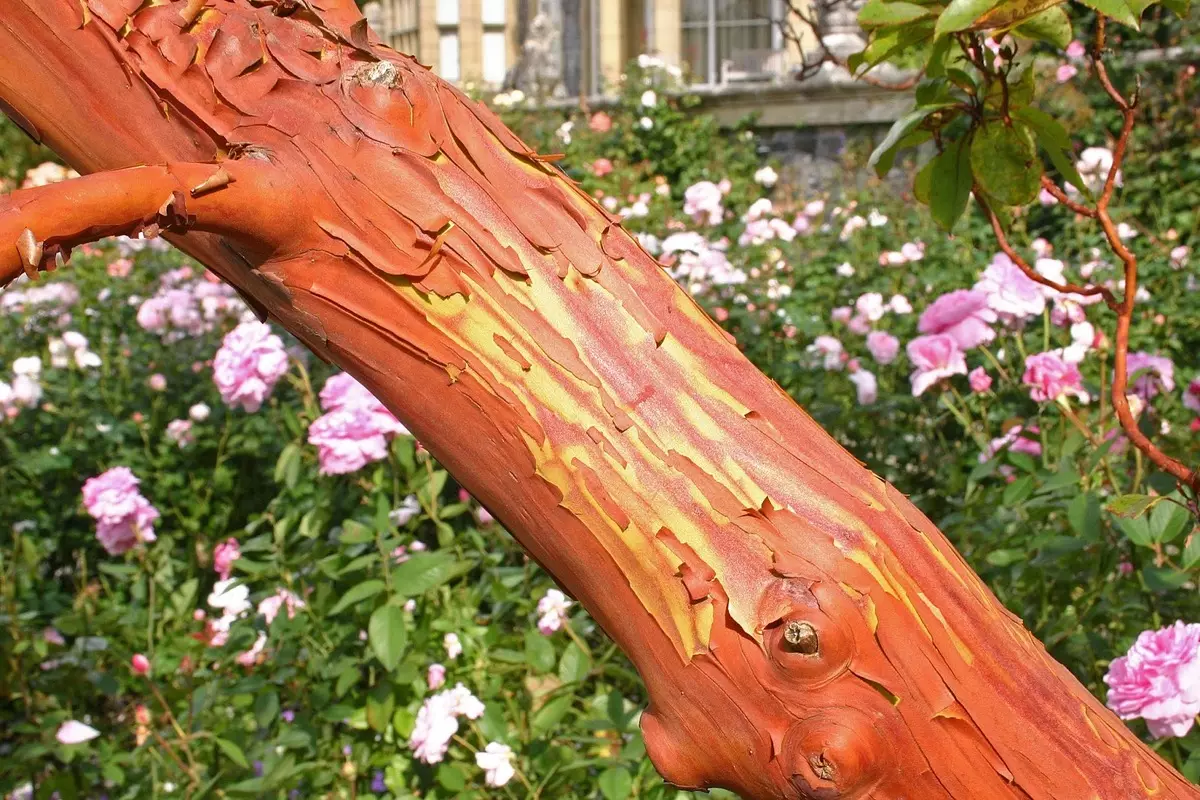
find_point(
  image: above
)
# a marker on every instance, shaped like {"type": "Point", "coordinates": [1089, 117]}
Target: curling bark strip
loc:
{"type": "Point", "coordinates": [803, 631]}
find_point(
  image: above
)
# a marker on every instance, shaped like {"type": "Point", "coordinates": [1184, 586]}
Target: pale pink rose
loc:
{"type": "Point", "coordinates": [120, 268]}
{"type": "Point", "coordinates": [1076, 49]}
{"type": "Point", "coordinates": [251, 360]}
{"type": "Point", "coordinates": [270, 607]}
{"type": "Point", "coordinates": [1065, 72]}
{"type": "Point", "coordinates": [1047, 199]}
{"type": "Point", "coordinates": [964, 315]}
{"type": "Point", "coordinates": [123, 517]}
{"type": "Point", "coordinates": [1158, 680]}
{"type": "Point", "coordinates": [483, 516]}
{"type": "Point", "coordinates": [899, 304]}
{"type": "Point", "coordinates": [1010, 292]}
{"type": "Point", "coordinates": [601, 167]}
{"type": "Point", "coordinates": [140, 664]}
{"type": "Point", "coordinates": [52, 636]}
{"type": "Point", "coordinates": [1191, 395]}
{"type": "Point", "coordinates": [831, 351]}
{"type": "Point", "coordinates": [224, 554]}
{"type": "Point", "coordinates": [979, 380]}
{"type": "Point", "coordinates": [251, 657]}
{"type": "Point", "coordinates": [75, 732]}
{"type": "Point", "coordinates": [859, 324]}
{"type": "Point", "coordinates": [496, 762]}
{"type": "Point", "coordinates": [552, 611]}
{"type": "Point", "coordinates": [179, 431]}
{"type": "Point", "coordinates": [436, 677]}
{"type": "Point", "coordinates": [703, 202]}
{"type": "Point", "coordinates": [936, 356]}
{"type": "Point", "coordinates": [1148, 373]}
{"type": "Point", "coordinates": [842, 314]}
{"type": "Point", "coordinates": [1017, 439]}
{"type": "Point", "coordinates": [866, 385]}
{"type": "Point", "coordinates": [437, 722]}
{"type": "Point", "coordinates": [453, 645]}
{"type": "Point", "coordinates": [1050, 377]}
{"type": "Point", "coordinates": [157, 382]}
{"type": "Point", "coordinates": [871, 306]}
{"type": "Point", "coordinates": [883, 346]}
{"type": "Point", "coordinates": [1179, 256]}
{"type": "Point", "coordinates": [348, 439]}
{"type": "Point", "coordinates": [600, 122]}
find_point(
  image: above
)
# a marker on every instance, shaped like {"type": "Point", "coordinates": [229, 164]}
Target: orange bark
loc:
{"type": "Point", "coordinates": [803, 631]}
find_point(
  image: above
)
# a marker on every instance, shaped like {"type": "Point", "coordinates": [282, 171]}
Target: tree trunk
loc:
{"type": "Point", "coordinates": [803, 631]}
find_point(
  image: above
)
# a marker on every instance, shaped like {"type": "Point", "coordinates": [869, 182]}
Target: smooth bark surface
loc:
{"type": "Point", "coordinates": [803, 630]}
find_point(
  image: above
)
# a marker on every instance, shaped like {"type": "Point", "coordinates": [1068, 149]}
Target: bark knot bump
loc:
{"type": "Point", "coordinates": [801, 637]}
{"type": "Point", "coordinates": [378, 73]}
{"type": "Point", "coordinates": [822, 767]}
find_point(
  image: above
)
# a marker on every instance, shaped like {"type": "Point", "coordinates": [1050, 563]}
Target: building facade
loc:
{"type": "Point", "coordinates": [571, 48]}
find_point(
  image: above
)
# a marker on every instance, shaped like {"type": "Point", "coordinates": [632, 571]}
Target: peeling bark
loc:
{"type": "Point", "coordinates": [803, 631]}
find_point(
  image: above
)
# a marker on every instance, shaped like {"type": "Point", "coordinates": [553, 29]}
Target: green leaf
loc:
{"type": "Point", "coordinates": [923, 183]}
{"type": "Point", "coordinates": [961, 14]}
{"type": "Point", "coordinates": [1005, 163]}
{"type": "Point", "coordinates": [1167, 521]}
{"type": "Point", "coordinates": [1180, 7]}
{"type": "Point", "coordinates": [1131, 506]}
{"type": "Point", "coordinates": [1018, 491]}
{"type": "Point", "coordinates": [1191, 550]}
{"type": "Point", "coordinates": [1002, 558]}
{"type": "Point", "coordinates": [552, 713]}
{"type": "Point", "coordinates": [266, 708]}
{"type": "Point", "coordinates": [901, 128]}
{"type": "Point", "coordinates": [615, 783]}
{"type": "Point", "coordinates": [950, 183]}
{"type": "Point", "coordinates": [1050, 25]}
{"type": "Point", "coordinates": [574, 665]}
{"type": "Point", "coordinates": [539, 651]}
{"type": "Point", "coordinates": [1013, 12]}
{"type": "Point", "coordinates": [388, 635]}
{"type": "Point", "coordinates": [357, 594]}
{"type": "Point", "coordinates": [380, 704]}
{"type": "Point", "coordinates": [876, 13]}
{"type": "Point", "coordinates": [1084, 516]}
{"type": "Point", "coordinates": [1163, 579]}
{"type": "Point", "coordinates": [1116, 9]}
{"type": "Point", "coordinates": [451, 778]}
{"type": "Point", "coordinates": [425, 571]}
{"type": "Point", "coordinates": [1137, 531]}
{"type": "Point", "coordinates": [232, 752]}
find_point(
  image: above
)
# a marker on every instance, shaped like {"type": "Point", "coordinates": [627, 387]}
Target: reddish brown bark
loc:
{"type": "Point", "coordinates": [803, 631]}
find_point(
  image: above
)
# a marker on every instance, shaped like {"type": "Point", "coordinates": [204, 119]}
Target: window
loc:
{"type": "Point", "coordinates": [404, 32]}
{"type": "Point", "coordinates": [493, 12]}
{"type": "Point", "coordinates": [447, 12]}
{"type": "Point", "coordinates": [495, 57]}
{"type": "Point", "coordinates": [741, 33]}
{"type": "Point", "coordinates": [448, 66]}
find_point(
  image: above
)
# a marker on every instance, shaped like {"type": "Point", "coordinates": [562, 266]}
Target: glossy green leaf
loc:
{"type": "Point", "coordinates": [616, 783]}
{"type": "Point", "coordinates": [232, 752]}
{"type": "Point", "coordinates": [950, 184]}
{"type": "Point", "coordinates": [388, 635]}
{"type": "Point", "coordinates": [901, 128]}
{"type": "Point", "coordinates": [1050, 25]}
{"type": "Point", "coordinates": [1168, 520]}
{"type": "Point", "coordinates": [1005, 163]}
{"type": "Point", "coordinates": [539, 651]}
{"type": "Point", "coordinates": [1131, 506]}
{"type": "Point", "coordinates": [357, 594]}
{"type": "Point", "coordinates": [574, 665]}
{"type": "Point", "coordinates": [961, 14]}
{"type": "Point", "coordinates": [1083, 514]}
{"type": "Point", "coordinates": [425, 571]}
{"type": "Point", "coordinates": [1118, 10]}
{"type": "Point", "coordinates": [876, 13]}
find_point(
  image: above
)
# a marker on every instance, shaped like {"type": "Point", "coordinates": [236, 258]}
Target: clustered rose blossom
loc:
{"type": "Point", "coordinates": [26, 388]}
{"type": "Point", "coordinates": [883, 346]}
{"type": "Point", "coordinates": [703, 202]}
{"type": "Point", "coordinates": [1148, 373]}
{"type": "Point", "coordinates": [496, 762]}
{"type": "Point", "coordinates": [1012, 294]}
{"type": "Point", "coordinates": [831, 350]}
{"type": "Point", "coordinates": [437, 722]}
{"type": "Point", "coordinates": [964, 315]}
{"type": "Point", "coordinates": [866, 386]}
{"type": "Point", "coordinates": [270, 606]}
{"type": "Point", "coordinates": [47, 299]}
{"type": "Point", "coordinates": [552, 611]}
{"type": "Point", "coordinates": [123, 517]}
{"type": "Point", "coordinates": [247, 366]}
{"type": "Point", "coordinates": [698, 263]}
{"type": "Point", "coordinates": [355, 429]}
{"type": "Point", "coordinates": [224, 554]}
{"type": "Point", "coordinates": [1158, 680]}
{"type": "Point", "coordinates": [935, 356]}
{"type": "Point", "coordinates": [979, 380]}
{"type": "Point", "coordinates": [1050, 378]}
{"type": "Point", "coordinates": [185, 306]}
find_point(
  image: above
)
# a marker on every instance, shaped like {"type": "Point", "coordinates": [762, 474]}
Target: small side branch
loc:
{"type": "Point", "coordinates": [39, 227]}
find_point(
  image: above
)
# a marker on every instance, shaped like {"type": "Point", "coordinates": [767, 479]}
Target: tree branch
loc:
{"type": "Point", "coordinates": [40, 226]}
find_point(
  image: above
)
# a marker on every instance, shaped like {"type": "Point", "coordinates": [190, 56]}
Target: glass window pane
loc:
{"type": "Point", "coordinates": [747, 10]}
{"type": "Point", "coordinates": [448, 56]}
{"type": "Point", "coordinates": [493, 12]}
{"type": "Point", "coordinates": [447, 12]}
{"type": "Point", "coordinates": [695, 10]}
{"type": "Point", "coordinates": [695, 53]}
{"type": "Point", "coordinates": [747, 46]}
{"type": "Point", "coordinates": [494, 58]}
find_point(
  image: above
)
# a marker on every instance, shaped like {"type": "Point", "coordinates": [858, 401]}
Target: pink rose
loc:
{"type": "Point", "coordinates": [247, 366]}
{"type": "Point", "coordinates": [1191, 395]}
{"type": "Point", "coordinates": [224, 555]}
{"type": "Point", "coordinates": [1050, 377]}
{"type": "Point", "coordinates": [1159, 680]}
{"type": "Point", "coordinates": [1018, 439]}
{"type": "Point", "coordinates": [979, 380]}
{"type": "Point", "coordinates": [842, 314]}
{"type": "Point", "coordinates": [1075, 49]}
{"type": "Point", "coordinates": [601, 167]}
{"type": "Point", "coordinates": [963, 315]}
{"type": "Point", "coordinates": [936, 356]}
{"type": "Point", "coordinates": [120, 268]}
{"type": "Point", "coordinates": [123, 517]}
{"type": "Point", "coordinates": [1011, 293]}
{"type": "Point", "coordinates": [1148, 373]}
{"type": "Point", "coordinates": [140, 664]}
{"type": "Point", "coordinates": [866, 386]}
{"type": "Point", "coordinates": [1065, 72]}
{"type": "Point", "coordinates": [883, 346]}
{"type": "Point", "coordinates": [436, 677]}
{"type": "Point", "coordinates": [600, 122]}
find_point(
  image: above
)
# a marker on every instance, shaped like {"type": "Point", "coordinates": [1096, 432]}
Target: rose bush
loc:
{"type": "Point", "coordinates": [227, 570]}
